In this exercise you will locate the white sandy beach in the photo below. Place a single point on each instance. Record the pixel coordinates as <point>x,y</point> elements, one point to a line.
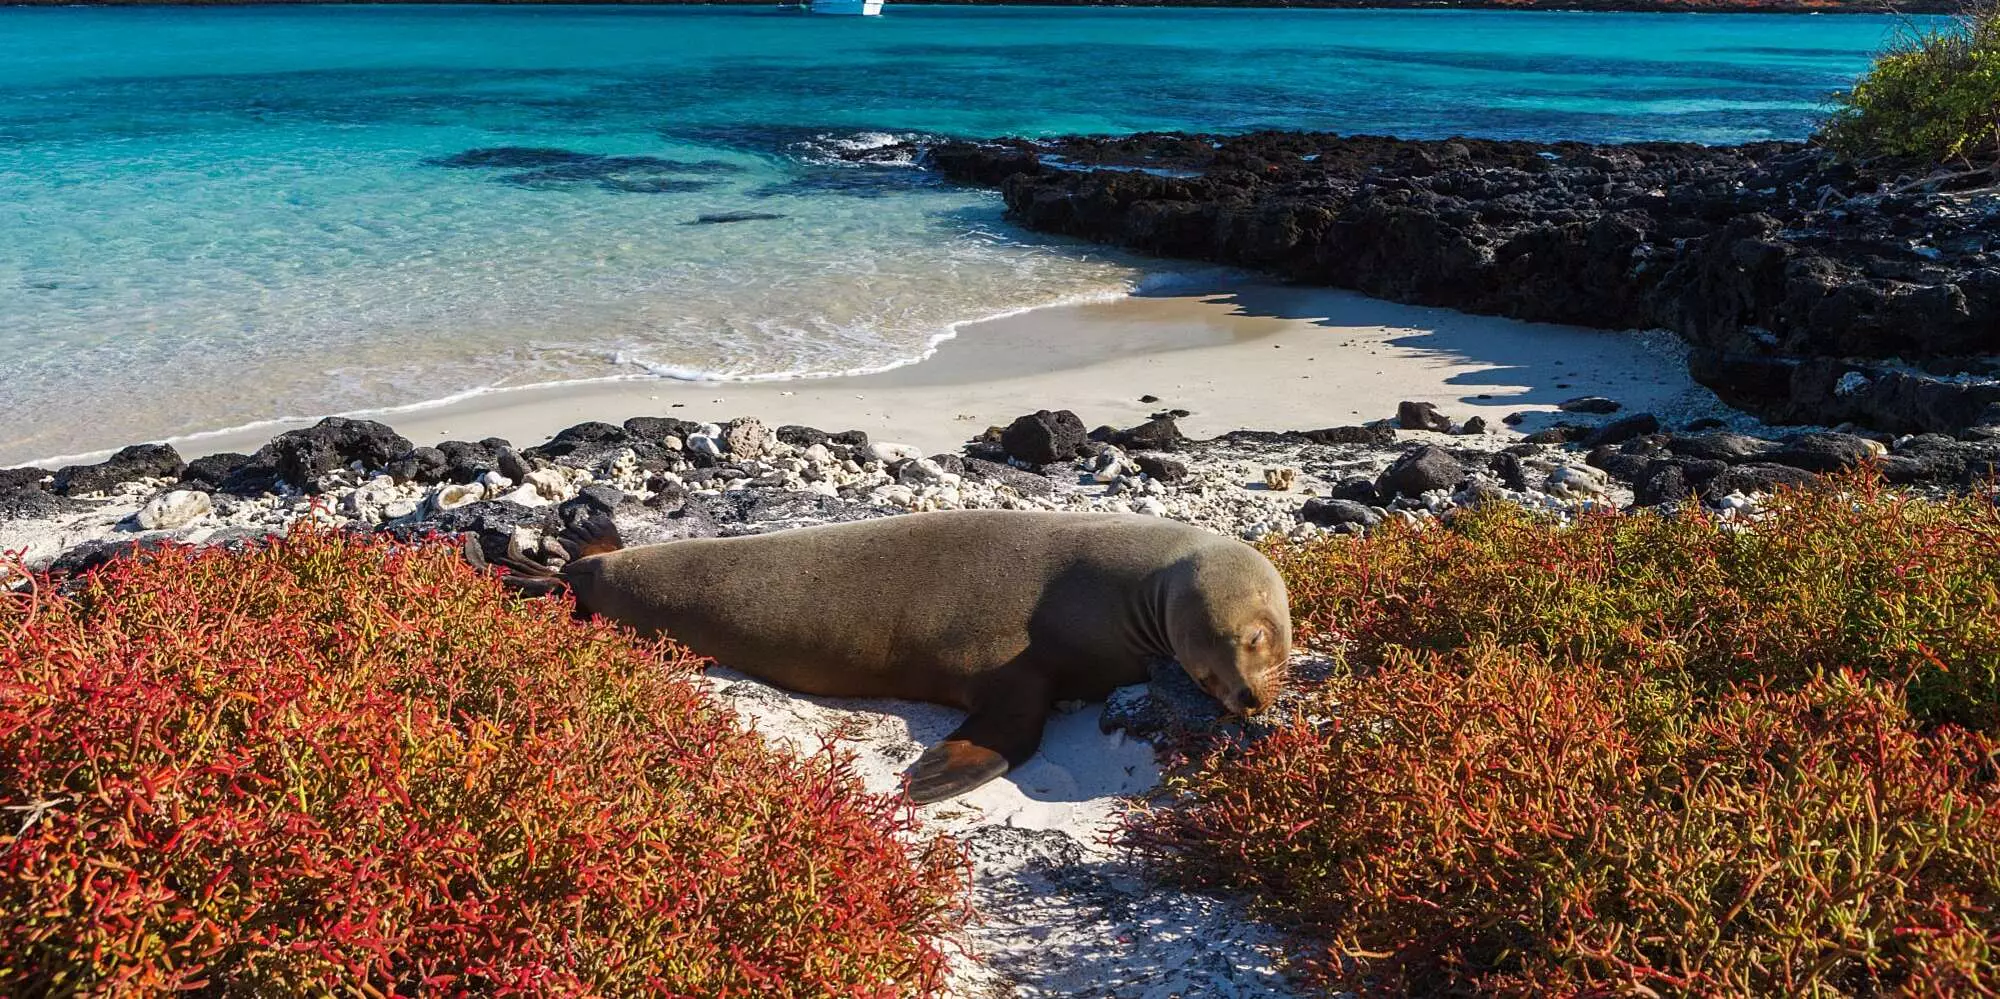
<point>1253,356</point>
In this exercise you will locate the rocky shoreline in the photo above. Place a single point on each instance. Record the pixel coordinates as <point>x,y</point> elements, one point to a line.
<point>1810,291</point>
<point>666,478</point>
<point>1064,911</point>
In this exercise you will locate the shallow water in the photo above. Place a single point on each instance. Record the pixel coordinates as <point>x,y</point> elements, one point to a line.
<point>213,217</point>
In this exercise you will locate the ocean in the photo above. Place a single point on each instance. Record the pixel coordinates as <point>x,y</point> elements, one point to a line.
<point>217,217</point>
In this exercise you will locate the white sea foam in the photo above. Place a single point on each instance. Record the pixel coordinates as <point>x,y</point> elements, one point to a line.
<point>1157,282</point>
<point>842,148</point>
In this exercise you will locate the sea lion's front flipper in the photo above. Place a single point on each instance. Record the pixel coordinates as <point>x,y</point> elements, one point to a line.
<point>1004,729</point>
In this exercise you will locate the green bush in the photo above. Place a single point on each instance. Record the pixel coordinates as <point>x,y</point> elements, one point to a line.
<point>1935,95</point>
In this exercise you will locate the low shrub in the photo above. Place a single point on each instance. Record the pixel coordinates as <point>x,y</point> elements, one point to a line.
<point>1503,825</point>
<point>1933,96</point>
<point>1850,576</point>
<point>1639,754</point>
<point>329,765</point>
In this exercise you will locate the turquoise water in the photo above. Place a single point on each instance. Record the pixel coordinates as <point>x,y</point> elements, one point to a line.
<point>212,217</point>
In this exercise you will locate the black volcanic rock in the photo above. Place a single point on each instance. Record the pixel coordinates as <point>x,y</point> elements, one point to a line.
<point>303,458</point>
<point>1589,404</point>
<point>1421,416</point>
<point>1790,272</point>
<point>1370,436</point>
<point>1334,512</point>
<point>1661,482</point>
<point>1622,430</point>
<point>1157,434</point>
<point>421,464</point>
<point>587,439</point>
<point>466,461</point>
<point>1025,483</point>
<point>140,461</point>
<point>1721,446</point>
<point>34,504</point>
<point>1045,437</point>
<point>1561,433</point>
<point>14,479</point>
<point>1508,468</point>
<point>1420,470</point>
<point>1160,467</point>
<point>1755,477</point>
<point>23,496</point>
<point>656,429</point>
<point>1622,466</point>
<point>841,444</point>
<point>210,471</point>
<point>91,555</point>
<point>1824,452</point>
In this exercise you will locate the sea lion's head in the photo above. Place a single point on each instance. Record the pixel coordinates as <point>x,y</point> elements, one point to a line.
<point>1230,624</point>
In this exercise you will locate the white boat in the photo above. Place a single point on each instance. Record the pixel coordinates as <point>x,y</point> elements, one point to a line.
<point>868,7</point>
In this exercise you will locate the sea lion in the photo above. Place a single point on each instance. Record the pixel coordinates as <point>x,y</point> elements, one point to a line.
<point>1000,613</point>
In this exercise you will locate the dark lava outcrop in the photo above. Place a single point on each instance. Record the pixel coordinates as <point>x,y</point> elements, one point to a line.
<point>1811,291</point>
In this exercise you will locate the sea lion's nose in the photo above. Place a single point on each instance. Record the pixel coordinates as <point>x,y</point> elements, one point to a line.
<point>1249,701</point>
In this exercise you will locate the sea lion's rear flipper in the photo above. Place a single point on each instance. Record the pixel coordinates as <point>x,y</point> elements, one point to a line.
<point>1003,731</point>
<point>953,767</point>
<point>596,536</point>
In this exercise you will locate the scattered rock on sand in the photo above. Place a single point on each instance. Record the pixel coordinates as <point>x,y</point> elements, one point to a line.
<point>1664,482</point>
<point>657,429</point>
<point>455,495</point>
<point>14,479</point>
<point>1420,470</point>
<point>747,437</point>
<point>210,471</point>
<point>174,510</point>
<point>466,461</point>
<point>1578,482</point>
<point>1755,477</point>
<point>1358,489</point>
<point>140,461</point>
<point>588,437</point>
<point>304,458</point>
<point>1377,436</point>
<point>421,465</point>
<point>920,472</point>
<point>1622,430</point>
<point>1160,467</point>
<point>1421,416</point>
<point>1825,452</point>
<point>1508,467</point>
<point>1160,433</point>
<point>1045,437</point>
<point>889,453</point>
<point>1335,512</point>
<point>1721,446</point>
<point>1596,404</point>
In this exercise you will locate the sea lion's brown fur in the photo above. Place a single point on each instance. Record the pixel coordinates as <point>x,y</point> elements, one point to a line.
<point>1001,613</point>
